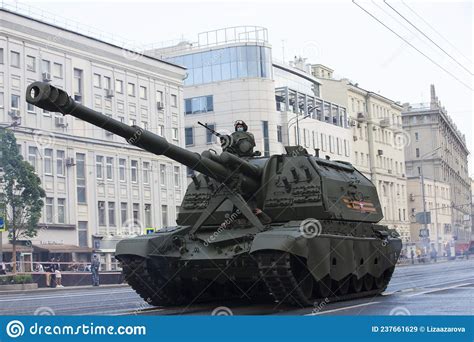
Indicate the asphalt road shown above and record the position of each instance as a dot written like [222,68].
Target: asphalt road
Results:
[445,288]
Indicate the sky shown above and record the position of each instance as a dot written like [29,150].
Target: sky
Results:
[338,34]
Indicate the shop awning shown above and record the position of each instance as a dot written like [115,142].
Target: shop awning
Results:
[61,249]
[8,248]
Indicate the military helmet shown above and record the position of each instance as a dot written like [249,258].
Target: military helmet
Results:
[240,123]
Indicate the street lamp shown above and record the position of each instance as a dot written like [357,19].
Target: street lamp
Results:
[422,158]
[288,125]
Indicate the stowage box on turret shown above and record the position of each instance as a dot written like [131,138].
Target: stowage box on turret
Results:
[292,227]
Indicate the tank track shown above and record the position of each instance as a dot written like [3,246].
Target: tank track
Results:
[147,287]
[276,271]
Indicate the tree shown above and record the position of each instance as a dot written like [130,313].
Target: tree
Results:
[22,193]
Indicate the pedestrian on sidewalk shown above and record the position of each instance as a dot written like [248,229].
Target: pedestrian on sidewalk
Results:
[412,255]
[3,268]
[58,276]
[95,265]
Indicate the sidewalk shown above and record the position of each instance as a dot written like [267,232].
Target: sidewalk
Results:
[55,289]
[407,262]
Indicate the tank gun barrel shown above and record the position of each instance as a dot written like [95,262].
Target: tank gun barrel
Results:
[50,98]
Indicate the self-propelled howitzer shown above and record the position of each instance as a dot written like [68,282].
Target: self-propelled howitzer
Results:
[291,227]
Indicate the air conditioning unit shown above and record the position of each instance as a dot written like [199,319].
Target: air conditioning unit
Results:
[46,77]
[159,105]
[109,93]
[361,116]
[70,162]
[355,138]
[384,123]
[60,121]
[14,113]
[380,152]
[412,197]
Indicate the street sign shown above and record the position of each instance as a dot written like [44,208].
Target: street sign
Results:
[149,231]
[423,217]
[424,233]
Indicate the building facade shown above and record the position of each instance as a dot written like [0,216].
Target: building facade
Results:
[98,188]
[377,141]
[438,151]
[438,204]
[232,76]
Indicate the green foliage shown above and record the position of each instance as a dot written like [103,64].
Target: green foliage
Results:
[21,189]
[16,279]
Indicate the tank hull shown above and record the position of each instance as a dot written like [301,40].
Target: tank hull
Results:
[282,264]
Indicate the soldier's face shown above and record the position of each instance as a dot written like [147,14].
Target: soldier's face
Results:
[240,128]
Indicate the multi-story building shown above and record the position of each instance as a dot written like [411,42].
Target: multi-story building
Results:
[377,143]
[438,204]
[438,151]
[231,76]
[98,188]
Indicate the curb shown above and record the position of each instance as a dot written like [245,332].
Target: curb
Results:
[57,289]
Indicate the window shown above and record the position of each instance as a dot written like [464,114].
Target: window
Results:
[30,108]
[2,104]
[189,136]
[123,213]
[49,206]
[161,130]
[136,214]
[82,233]
[164,215]
[122,173]
[81,177]
[15,59]
[46,66]
[177,182]
[280,135]
[119,86]
[77,86]
[162,174]
[109,168]
[60,156]
[159,96]
[111,209]
[148,223]
[146,172]
[97,81]
[61,210]
[99,167]
[58,70]
[209,135]
[30,63]
[107,83]
[196,105]
[48,161]
[143,92]
[417,152]
[174,100]
[175,133]
[1,55]
[416,136]
[134,171]
[15,103]
[32,155]
[131,89]
[101,211]
[266,140]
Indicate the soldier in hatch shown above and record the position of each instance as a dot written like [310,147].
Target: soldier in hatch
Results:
[241,142]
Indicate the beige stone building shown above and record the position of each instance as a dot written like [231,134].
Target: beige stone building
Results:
[438,150]
[377,143]
[438,203]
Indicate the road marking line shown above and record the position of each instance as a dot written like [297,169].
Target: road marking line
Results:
[436,290]
[424,280]
[341,309]
[57,295]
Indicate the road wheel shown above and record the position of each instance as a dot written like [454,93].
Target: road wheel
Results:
[323,287]
[357,283]
[342,286]
[379,281]
[368,282]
